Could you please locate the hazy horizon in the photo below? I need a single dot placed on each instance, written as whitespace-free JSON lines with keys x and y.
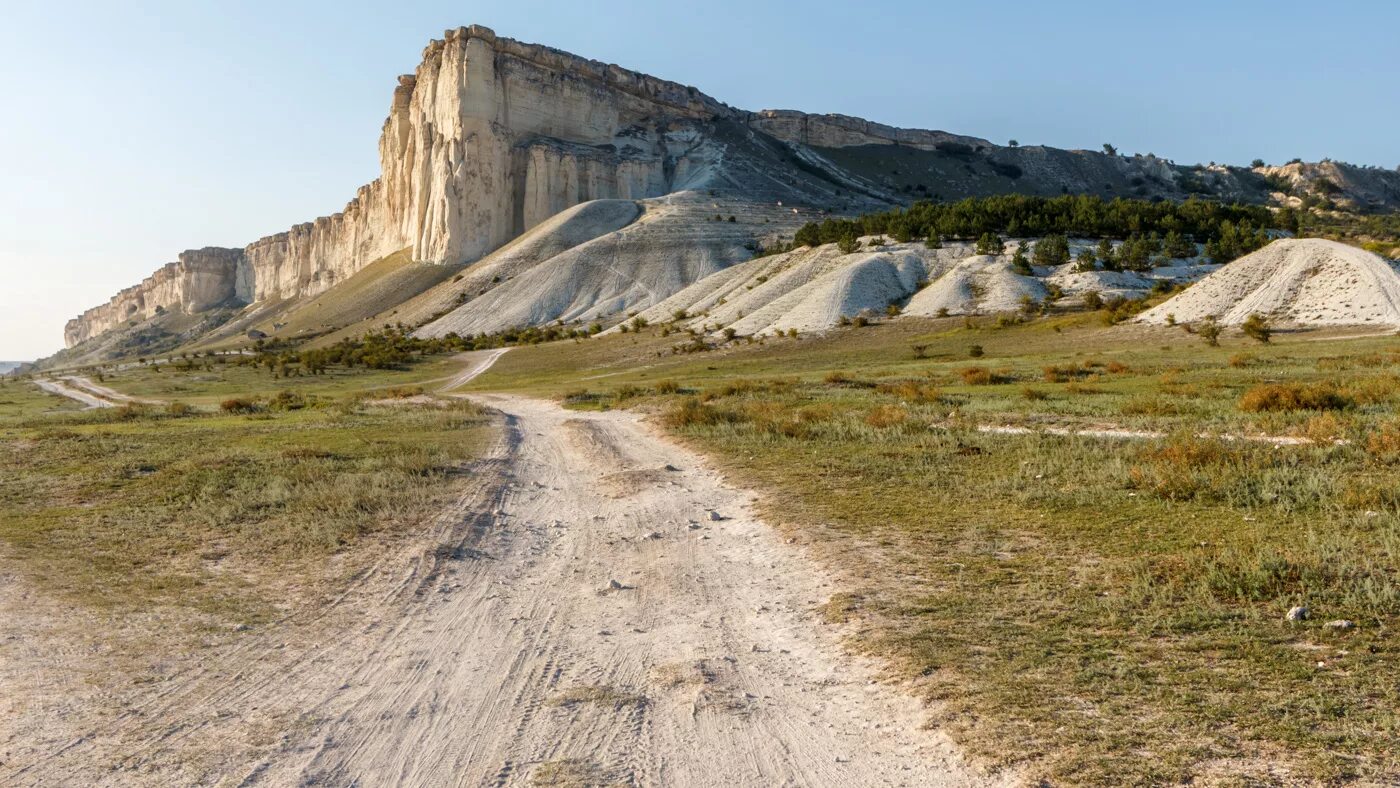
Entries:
{"x":220,"y":125}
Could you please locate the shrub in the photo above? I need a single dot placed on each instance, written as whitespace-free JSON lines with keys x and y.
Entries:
{"x":1289,"y":397}
{"x":1034,"y":394}
{"x":910,"y":391}
{"x":977,"y":376}
{"x":577,"y":396}
{"x":1257,"y":327}
{"x":1092,"y":300}
{"x":1241,"y":360}
{"x":1383,"y":445}
{"x":975,"y":351}
{"x":1116,"y":367}
{"x":691,"y":412}
{"x":178,"y":409}
{"x":667,"y":387}
{"x":287,"y":400}
{"x":1209,"y":331}
{"x":239,"y":405}
{"x":885,"y":416}
{"x":403,"y":392}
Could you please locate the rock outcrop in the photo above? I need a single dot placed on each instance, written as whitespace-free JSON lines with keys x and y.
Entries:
{"x":198,"y":281}
{"x":488,"y":138}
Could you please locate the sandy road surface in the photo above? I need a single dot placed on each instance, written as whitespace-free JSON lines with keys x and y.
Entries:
{"x":90,"y":400}
{"x":104,"y":392}
{"x":577,"y":618}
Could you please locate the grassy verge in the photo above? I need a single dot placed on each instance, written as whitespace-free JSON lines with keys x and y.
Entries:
{"x":212,"y":380}
{"x":1111,"y":611}
{"x":129,"y":508}
{"x":20,"y":399}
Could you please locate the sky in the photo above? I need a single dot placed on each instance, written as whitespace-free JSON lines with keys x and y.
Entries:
{"x":136,"y":130}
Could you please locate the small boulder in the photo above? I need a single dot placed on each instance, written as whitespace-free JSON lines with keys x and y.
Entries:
{"x":715,"y":516}
{"x":1298,"y":613}
{"x":1340,"y":625}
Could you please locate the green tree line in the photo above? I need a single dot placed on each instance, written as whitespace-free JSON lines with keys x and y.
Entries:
{"x":1227,"y":230}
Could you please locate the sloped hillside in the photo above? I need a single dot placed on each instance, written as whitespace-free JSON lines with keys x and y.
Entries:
{"x":603,"y":259}
{"x":813,"y":289}
{"x":1306,"y":281}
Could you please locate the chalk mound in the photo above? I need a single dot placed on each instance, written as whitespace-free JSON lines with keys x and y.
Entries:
{"x":977,"y":284}
{"x":601,"y":260}
{"x":812,"y":289}
{"x":1306,"y":282}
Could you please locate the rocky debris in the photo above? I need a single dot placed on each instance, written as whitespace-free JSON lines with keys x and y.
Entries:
{"x":1339,"y":625}
{"x":1298,"y":613}
{"x":713,"y":515}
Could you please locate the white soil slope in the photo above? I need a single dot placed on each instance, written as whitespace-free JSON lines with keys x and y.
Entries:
{"x":605,"y":258}
{"x":980,"y":283}
{"x":811,"y":289}
{"x":1307,"y":281}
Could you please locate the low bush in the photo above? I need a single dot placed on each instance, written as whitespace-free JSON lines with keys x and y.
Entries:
{"x":691,"y":412}
{"x":885,"y":416}
{"x":1289,"y":397}
{"x":239,"y":405}
{"x":178,"y":409}
{"x":977,"y":376}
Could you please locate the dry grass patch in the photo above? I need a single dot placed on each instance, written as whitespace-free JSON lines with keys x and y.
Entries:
{"x":1289,"y":397}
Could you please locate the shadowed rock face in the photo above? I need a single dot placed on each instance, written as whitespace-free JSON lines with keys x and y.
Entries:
{"x":491,"y":137}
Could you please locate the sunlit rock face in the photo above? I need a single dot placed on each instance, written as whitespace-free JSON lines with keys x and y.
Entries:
{"x":487,"y":139}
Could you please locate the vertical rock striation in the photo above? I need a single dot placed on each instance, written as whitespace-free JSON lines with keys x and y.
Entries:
{"x":488,"y":138}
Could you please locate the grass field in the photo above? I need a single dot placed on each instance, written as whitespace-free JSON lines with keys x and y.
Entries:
{"x":220,"y":514}
{"x":211,"y":380}
{"x":1109,"y":611}
{"x":22,"y":399}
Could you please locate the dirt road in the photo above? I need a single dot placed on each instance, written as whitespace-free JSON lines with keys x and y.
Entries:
{"x":92,"y":401}
{"x":599,"y":608}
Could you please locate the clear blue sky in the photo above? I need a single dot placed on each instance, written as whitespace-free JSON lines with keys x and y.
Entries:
{"x":135,"y":130}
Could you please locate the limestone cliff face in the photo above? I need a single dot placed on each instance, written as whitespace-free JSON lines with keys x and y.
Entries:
{"x":488,"y":138}
{"x":198,"y":281}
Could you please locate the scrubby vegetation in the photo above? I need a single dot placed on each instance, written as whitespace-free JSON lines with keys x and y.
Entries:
{"x":1228,"y":231}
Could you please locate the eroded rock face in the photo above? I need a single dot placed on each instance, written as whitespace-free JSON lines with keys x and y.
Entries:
{"x":196,"y":282}
{"x":488,"y":138}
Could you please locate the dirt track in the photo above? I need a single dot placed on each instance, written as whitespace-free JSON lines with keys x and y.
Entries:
{"x":578,"y":618}
{"x":91,"y":401}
